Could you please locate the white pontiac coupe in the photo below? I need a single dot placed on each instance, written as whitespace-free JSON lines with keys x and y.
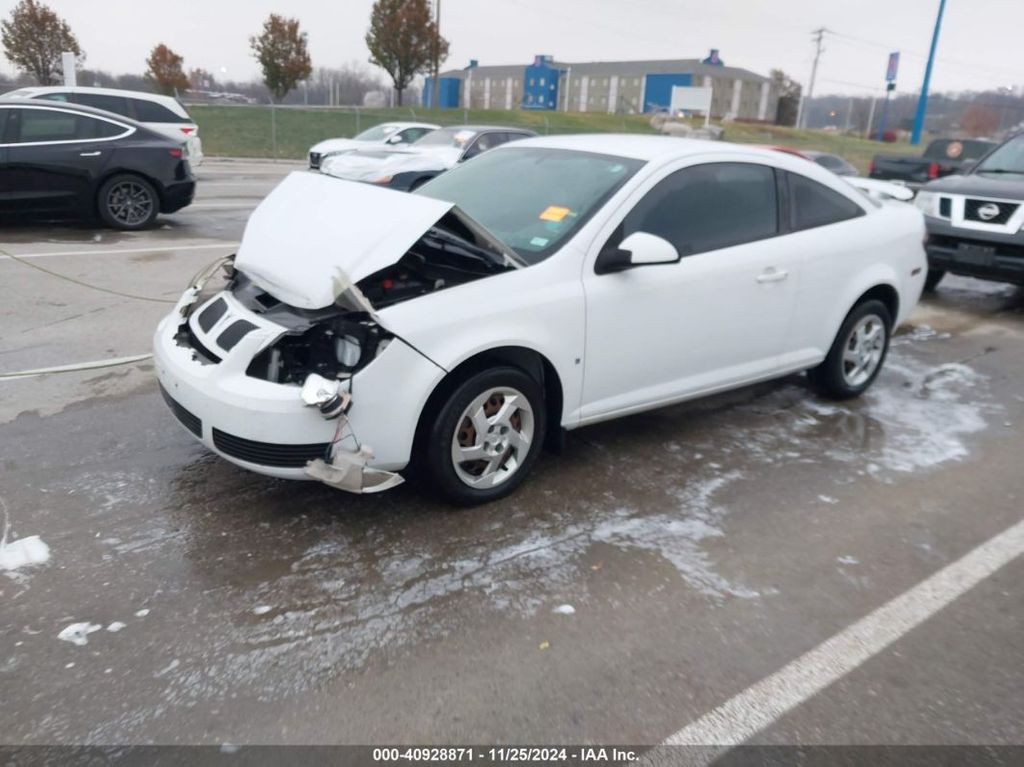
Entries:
{"x":549,"y":284}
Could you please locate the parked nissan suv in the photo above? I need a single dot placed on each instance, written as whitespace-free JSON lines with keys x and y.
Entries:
{"x":975,"y":220}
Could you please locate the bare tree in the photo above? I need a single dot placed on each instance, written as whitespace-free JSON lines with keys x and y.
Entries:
{"x":403,"y":40}
{"x":34,"y":38}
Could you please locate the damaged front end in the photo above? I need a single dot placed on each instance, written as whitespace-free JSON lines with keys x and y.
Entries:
{"x":288,"y":315}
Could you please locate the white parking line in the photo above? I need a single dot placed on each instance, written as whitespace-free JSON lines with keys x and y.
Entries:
{"x":129,"y":251}
{"x":764,"y":703}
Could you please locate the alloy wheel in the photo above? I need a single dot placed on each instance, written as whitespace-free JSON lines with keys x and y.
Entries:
{"x":492,"y":437}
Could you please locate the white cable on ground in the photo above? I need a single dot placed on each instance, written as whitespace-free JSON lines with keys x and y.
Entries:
{"x":94,"y":365}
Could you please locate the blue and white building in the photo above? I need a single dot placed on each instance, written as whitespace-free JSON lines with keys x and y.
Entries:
{"x":624,"y":87}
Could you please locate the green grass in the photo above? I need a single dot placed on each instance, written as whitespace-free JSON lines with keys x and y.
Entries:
{"x":246,"y":131}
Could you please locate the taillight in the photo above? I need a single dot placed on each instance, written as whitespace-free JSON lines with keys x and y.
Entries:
{"x":187,"y":131}
{"x":933,"y":170}
{"x":175,"y":152}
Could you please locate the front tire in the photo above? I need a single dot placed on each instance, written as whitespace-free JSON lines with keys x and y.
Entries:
{"x":128,"y":203}
{"x":857,"y":353}
{"x":486,"y":436}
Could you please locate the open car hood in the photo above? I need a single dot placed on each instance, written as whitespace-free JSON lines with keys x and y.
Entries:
{"x":313,"y":237}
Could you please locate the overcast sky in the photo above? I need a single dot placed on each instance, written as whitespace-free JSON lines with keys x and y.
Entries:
{"x":980,"y":47}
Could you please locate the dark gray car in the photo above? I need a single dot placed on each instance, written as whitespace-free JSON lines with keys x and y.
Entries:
{"x":976,"y":220}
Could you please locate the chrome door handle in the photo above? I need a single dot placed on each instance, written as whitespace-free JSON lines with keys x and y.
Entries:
{"x":90,"y":154}
{"x":771,"y":274}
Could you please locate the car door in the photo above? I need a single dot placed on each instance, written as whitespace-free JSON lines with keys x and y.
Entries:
{"x":717,"y":317}
{"x":54,"y":157}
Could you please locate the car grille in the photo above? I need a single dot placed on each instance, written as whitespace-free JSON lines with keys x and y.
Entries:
{"x":266,"y":453}
{"x":314,"y":159}
{"x":945,"y":207}
{"x":1006,"y":209}
{"x":189,"y":420}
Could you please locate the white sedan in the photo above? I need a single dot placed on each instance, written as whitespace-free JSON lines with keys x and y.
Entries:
{"x":383,"y":135}
{"x":550,"y":284}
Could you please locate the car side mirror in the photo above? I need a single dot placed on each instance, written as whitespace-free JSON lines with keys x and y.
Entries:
{"x":638,"y":249}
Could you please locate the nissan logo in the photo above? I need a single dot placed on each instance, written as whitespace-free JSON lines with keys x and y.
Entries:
{"x":988,"y":211}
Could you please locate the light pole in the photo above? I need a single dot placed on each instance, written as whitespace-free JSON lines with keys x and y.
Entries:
{"x":435,"y":85}
{"x":922,"y":101}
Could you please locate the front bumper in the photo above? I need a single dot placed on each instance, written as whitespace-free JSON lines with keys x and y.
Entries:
{"x":266,"y":428}
{"x":975,"y":253}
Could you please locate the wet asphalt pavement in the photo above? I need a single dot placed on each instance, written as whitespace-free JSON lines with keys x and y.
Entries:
{"x":702,"y":547}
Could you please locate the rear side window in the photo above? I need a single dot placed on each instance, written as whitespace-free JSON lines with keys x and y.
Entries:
{"x":812,"y":204}
{"x":54,"y":97}
{"x":116,"y":104}
{"x":707,"y":207}
{"x":151,"y":112}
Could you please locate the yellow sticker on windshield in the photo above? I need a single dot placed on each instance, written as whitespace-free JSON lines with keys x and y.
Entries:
{"x":554,"y":213}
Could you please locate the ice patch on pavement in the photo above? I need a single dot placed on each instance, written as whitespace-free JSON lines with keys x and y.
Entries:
{"x":564,"y":610}
{"x":115,"y":626}
{"x":23,"y":552}
{"x":78,"y":633}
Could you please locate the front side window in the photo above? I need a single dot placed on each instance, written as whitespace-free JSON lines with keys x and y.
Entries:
{"x":54,"y":97}
{"x":708,"y":207}
{"x":532,"y":199}
{"x":409,"y":135}
{"x":46,"y":125}
{"x":813,"y":204}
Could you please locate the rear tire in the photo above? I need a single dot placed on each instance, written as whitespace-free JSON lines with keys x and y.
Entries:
{"x":495,"y":422}
{"x":128,"y":202}
{"x":933,"y":279}
{"x":857,"y":353}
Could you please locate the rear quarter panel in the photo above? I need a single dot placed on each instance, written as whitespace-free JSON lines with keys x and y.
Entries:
{"x":845,"y":260}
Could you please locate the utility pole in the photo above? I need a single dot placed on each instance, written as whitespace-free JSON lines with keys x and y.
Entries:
{"x":435,"y":85}
{"x":819,"y":36}
{"x":922,"y":101}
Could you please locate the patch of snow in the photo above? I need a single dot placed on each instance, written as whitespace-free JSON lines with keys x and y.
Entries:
{"x":848,"y":560}
{"x":169,"y":667}
{"x":78,"y":633}
{"x":115,"y":626}
{"x":23,"y":552}
{"x":564,"y":610}
{"x":142,"y":613}
{"x":828,"y":499}
{"x":261,"y":610}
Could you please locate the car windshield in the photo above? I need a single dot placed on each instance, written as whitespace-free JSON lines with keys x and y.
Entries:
{"x":532,"y":199}
{"x":458,"y":138}
{"x":1009,"y":158}
{"x":376,"y":133}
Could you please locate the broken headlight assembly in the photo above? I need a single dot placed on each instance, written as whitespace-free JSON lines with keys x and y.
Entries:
{"x":332,"y":343}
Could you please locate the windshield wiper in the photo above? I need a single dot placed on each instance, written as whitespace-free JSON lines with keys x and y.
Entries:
{"x":999,"y":170}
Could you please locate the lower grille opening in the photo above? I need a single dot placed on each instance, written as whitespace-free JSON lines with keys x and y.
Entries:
{"x":189,"y":420}
{"x":267,"y":453}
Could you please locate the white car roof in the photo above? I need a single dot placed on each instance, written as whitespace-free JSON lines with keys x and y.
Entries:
{"x":640,"y":147}
{"x":403,"y":126}
{"x":666,"y":148}
{"x":37,"y":90}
